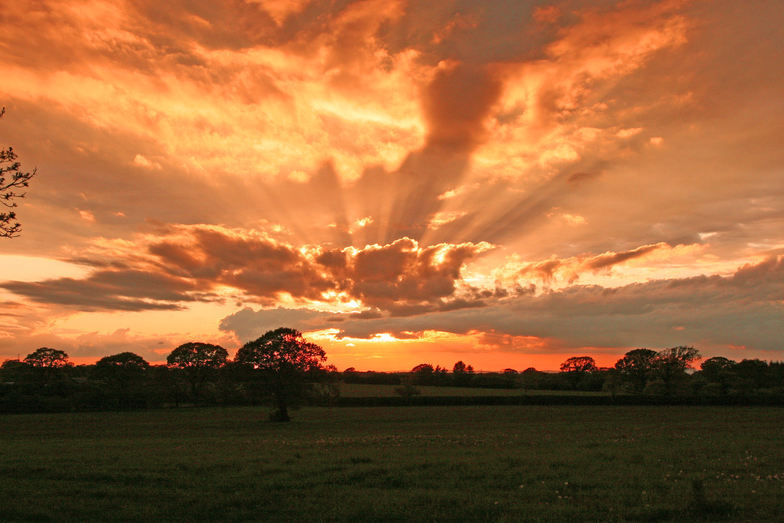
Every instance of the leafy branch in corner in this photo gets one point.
(11, 178)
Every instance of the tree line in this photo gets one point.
(279, 369)
(282, 370)
(668, 372)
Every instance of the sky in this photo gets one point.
(506, 183)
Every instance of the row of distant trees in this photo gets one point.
(673, 372)
(283, 370)
(669, 372)
(279, 369)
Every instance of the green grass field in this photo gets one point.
(409, 464)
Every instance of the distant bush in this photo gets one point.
(407, 391)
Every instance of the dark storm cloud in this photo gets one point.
(744, 310)
(248, 324)
(401, 277)
(395, 276)
(181, 264)
(129, 290)
(256, 265)
(716, 312)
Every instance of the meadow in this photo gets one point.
(407, 464)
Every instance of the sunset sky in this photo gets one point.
(507, 183)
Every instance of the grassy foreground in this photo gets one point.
(410, 464)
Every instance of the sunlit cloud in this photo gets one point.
(184, 264)
(573, 219)
(397, 178)
(557, 271)
(699, 310)
(141, 161)
(292, 104)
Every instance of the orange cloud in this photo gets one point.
(402, 277)
(547, 104)
(181, 264)
(117, 71)
(571, 269)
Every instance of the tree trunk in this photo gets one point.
(281, 412)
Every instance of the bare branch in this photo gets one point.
(11, 177)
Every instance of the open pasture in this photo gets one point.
(522, 463)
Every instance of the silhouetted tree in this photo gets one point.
(46, 366)
(716, 365)
(511, 378)
(197, 355)
(199, 362)
(461, 368)
(579, 364)
(669, 369)
(47, 358)
(422, 374)
(350, 375)
(635, 367)
(576, 368)
(776, 375)
(440, 376)
(718, 375)
(530, 379)
(753, 374)
(11, 178)
(289, 367)
(15, 371)
(462, 374)
(127, 363)
(124, 374)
